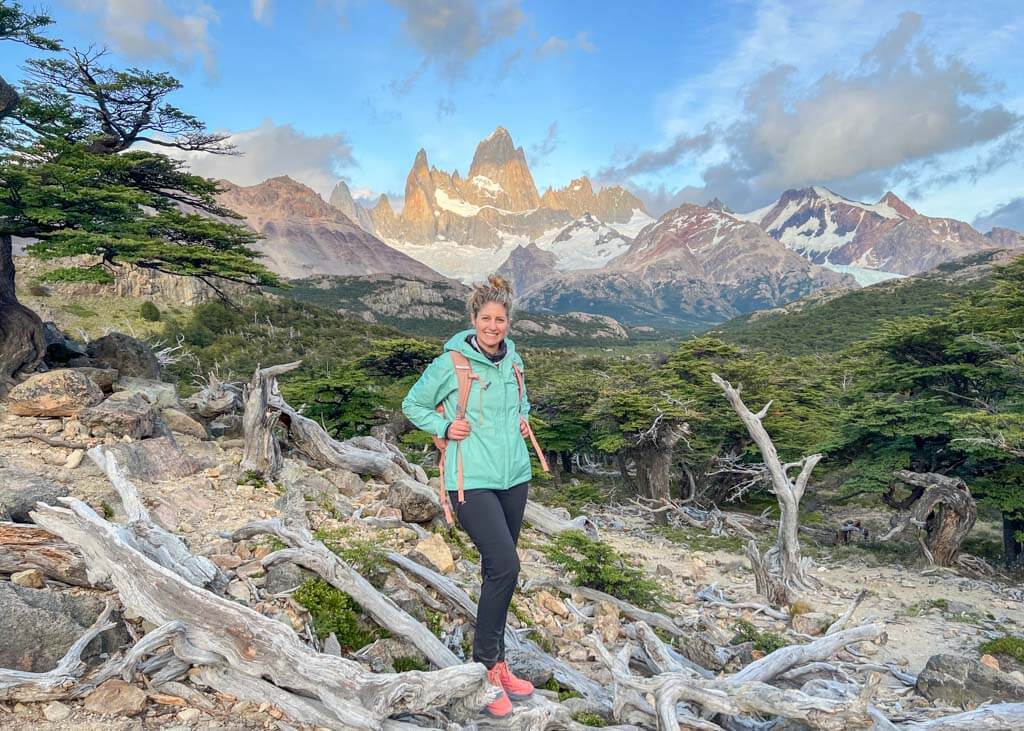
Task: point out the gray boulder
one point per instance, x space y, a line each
418 503
20 491
161 395
227 426
122 414
153 460
130 356
42 624
962 681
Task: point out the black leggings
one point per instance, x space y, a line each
492 518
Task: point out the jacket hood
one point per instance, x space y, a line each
458 343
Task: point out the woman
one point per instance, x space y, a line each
495 465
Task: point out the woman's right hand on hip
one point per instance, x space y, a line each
459 430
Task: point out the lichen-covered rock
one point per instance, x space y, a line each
122 414
418 503
21 490
130 356
963 681
152 460
63 392
182 423
157 393
48 622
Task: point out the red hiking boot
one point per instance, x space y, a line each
516 688
502 706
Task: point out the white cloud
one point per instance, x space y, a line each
1008 215
149 30
898 109
261 10
271 150
541 150
555 46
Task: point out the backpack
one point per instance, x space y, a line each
465 376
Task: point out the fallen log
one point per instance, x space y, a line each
222 632
997 717
730 698
551 523
147 537
527 651
787 658
24 546
311 554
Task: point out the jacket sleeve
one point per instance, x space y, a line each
437 381
524 402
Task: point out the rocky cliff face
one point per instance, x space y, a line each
609 205
693 268
887 236
303 235
526 266
1006 238
341 198
495 207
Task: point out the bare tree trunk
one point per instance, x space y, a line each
781 573
262 453
944 509
21 331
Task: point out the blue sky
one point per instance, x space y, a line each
679 101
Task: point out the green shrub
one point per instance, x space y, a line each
38 290
589 719
335 611
149 312
86 275
408 662
599 566
1007 645
766 642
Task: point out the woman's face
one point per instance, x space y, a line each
491 325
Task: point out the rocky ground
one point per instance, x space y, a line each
926 613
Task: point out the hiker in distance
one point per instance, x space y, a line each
472 399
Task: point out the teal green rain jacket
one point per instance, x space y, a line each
494 455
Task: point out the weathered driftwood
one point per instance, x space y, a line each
944 510
52 441
551 523
845 618
17 685
24 546
222 632
524 651
261 453
735 698
781 574
146 536
787 658
663 658
312 554
214 399
714 597
376 445
629 610
998 717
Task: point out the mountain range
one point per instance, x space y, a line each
575 249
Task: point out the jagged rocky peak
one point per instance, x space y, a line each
894 202
715 204
496 149
612 205
341 199
280 197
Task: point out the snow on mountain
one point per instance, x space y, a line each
585 243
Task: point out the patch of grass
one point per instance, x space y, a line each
78 310
466 548
365 556
800 607
108 512
700 540
409 662
435 622
918 608
563 693
335 611
589 719
520 614
251 477
599 566
766 642
572 497
38 290
1007 646
82 275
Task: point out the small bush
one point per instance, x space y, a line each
150 312
38 290
86 275
335 611
599 566
589 719
766 642
1008 645
408 662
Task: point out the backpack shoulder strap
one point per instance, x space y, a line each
519 382
464 375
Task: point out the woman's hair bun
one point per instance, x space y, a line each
500 283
